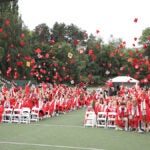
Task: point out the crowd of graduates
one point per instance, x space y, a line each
131 104
49 99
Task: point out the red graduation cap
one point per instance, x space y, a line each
12 45
133 45
121 54
16 75
5 35
116 50
109 83
136 76
38 51
89 76
1 30
97 47
90 51
19 63
54 57
136 66
145 80
148 76
135 20
137 51
55 64
135 60
97 31
118 73
24 77
130 53
52 42
7 22
22 43
71 60
122 68
8 55
46 55
109 65
22 35
18 54
93 56
135 38
9 70
144 45
75 42
8 60
111 54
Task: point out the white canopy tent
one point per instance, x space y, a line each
125 80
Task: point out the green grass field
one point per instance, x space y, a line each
66 132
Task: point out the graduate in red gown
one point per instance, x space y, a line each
122 116
134 114
145 112
1 111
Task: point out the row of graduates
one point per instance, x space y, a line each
132 107
49 99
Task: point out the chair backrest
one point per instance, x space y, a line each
102 114
90 114
8 110
35 109
112 114
17 111
26 110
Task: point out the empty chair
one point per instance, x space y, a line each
111 120
25 115
90 119
16 116
34 114
7 115
101 119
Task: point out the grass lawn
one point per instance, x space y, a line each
66 132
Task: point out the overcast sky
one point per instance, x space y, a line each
110 17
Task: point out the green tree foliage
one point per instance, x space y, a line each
12 40
58 32
42 34
62 32
65 53
145 41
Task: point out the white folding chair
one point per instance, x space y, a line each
90 119
111 120
7 115
34 114
16 116
25 115
101 119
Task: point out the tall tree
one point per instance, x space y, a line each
58 32
145 41
42 34
12 40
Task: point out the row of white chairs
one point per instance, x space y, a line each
102 119
24 115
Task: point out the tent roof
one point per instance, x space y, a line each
124 79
